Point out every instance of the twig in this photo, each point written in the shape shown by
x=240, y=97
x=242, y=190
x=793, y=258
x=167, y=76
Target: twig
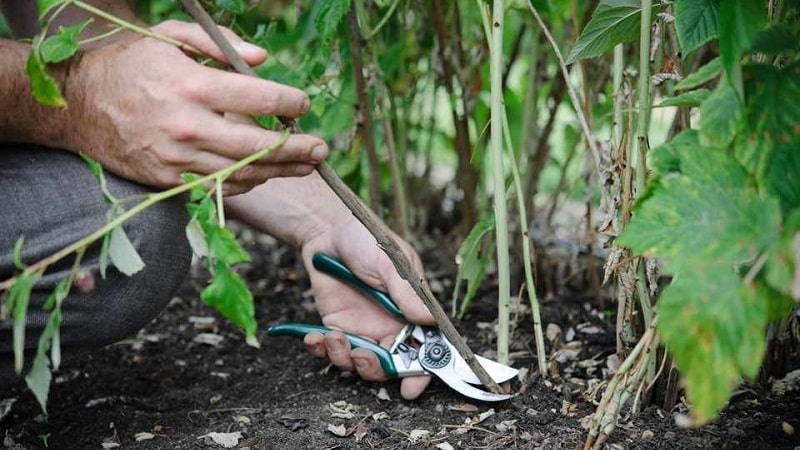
x=368, y=218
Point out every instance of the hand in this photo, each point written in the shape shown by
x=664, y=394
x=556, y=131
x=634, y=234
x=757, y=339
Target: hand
x=345, y=308
x=148, y=112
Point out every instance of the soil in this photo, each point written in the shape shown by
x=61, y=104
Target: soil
x=171, y=386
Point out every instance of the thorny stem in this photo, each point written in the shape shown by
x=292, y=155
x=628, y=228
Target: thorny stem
x=362, y=213
x=144, y=204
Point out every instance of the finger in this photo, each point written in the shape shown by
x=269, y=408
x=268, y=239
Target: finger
x=338, y=350
x=237, y=141
x=412, y=387
x=315, y=344
x=254, y=174
x=195, y=36
x=367, y=365
x=237, y=93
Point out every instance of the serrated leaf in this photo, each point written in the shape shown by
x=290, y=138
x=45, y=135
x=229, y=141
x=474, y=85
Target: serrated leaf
x=329, y=15
x=222, y=246
x=64, y=44
x=692, y=98
x=234, y=6
x=123, y=254
x=703, y=75
x=46, y=5
x=19, y=295
x=229, y=294
x=43, y=86
x=720, y=114
x=666, y=158
x=696, y=23
x=613, y=22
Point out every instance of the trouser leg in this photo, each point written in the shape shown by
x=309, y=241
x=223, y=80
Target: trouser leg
x=52, y=199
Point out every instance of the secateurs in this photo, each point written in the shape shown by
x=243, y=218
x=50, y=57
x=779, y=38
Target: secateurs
x=416, y=350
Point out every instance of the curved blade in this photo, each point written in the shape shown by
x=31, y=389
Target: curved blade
x=500, y=373
x=449, y=377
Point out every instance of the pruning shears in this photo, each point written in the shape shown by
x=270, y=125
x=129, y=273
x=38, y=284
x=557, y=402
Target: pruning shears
x=416, y=349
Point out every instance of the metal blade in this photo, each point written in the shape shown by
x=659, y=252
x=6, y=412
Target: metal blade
x=449, y=377
x=500, y=373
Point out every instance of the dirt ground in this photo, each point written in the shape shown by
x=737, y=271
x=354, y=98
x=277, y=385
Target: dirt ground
x=189, y=375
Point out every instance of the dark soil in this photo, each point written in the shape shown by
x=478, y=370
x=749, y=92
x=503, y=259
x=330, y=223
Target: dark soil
x=167, y=384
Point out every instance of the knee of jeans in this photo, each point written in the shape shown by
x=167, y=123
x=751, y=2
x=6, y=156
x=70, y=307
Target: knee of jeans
x=122, y=305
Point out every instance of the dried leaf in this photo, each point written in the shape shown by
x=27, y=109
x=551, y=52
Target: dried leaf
x=214, y=340
x=144, y=436
x=360, y=432
x=417, y=435
x=445, y=446
x=383, y=415
x=506, y=426
x=463, y=407
x=338, y=430
x=482, y=416
x=226, y=440
x=293, y=422
x=383, y=395
x=342, y=409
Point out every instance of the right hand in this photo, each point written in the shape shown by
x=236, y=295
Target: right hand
x=148, y=112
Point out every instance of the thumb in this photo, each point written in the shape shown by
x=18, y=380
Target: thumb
x=194, y=35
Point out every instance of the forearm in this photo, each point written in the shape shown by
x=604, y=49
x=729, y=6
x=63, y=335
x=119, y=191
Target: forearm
x=22, y=16
x=293, y=210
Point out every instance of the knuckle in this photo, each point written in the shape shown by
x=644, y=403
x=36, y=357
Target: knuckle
x=246, y=173
x=182, y=130
x=171, y=157
x=192, y=90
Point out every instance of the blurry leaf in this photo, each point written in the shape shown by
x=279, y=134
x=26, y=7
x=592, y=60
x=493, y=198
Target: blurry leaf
x=783, y=176
x=739, y=23
x=18, y=253
x=613, y=22
x=720, y=115
x=226, y=440
x=229, y=294
x=471, y=263
x=703, y=75
x=330, y=13
x=691, y=98
x=97, y=170
x=103, y=260
x=338, y=430
x=17, y=301
x=123, y=254
x=776, y=39
x=666, y=158
x=234, y=6
x=61, y=46
x=43, y=86
x=46, y=5
x=696, y=23
x=40, y=375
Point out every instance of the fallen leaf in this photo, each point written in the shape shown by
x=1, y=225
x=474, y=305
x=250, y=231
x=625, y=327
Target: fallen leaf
x=481, y=417
x=338, y=430
x=214, y=340
x=226, y=440
x=360, y=432
x=239, y=418
x=383, y=395
x=144, y=436
x=107, y=445
x=463, y=407
x=383, y=415
x=292, y=422
x=787, y=428
x=444, y=446
x=342, y=409
x=204, y=323
x=506, y=426
x=215, y=399
x=417, y=435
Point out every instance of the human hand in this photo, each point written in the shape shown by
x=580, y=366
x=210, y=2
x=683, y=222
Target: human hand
x=345, y=308
x=148, y=112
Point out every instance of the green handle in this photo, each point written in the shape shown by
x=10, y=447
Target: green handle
x=335, y=268
x=302, y=329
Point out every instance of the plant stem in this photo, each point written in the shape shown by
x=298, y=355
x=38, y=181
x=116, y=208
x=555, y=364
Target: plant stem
x=144, y=204
x=644, y=94
x=383, y=21
x=135, y=28
x=618, y=70
x=499, y=181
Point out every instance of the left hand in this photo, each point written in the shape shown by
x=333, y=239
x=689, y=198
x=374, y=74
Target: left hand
x=345, y=308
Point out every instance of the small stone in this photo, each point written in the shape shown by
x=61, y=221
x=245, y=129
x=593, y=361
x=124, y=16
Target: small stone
x=647, y=435
x=787, y=428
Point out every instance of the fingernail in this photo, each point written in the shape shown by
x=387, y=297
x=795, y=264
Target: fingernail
x=306, y=106
x=249, y=48
x=334, y=346
x=319, y=153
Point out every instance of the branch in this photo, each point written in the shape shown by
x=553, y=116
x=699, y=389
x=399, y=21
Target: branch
x=371, y=222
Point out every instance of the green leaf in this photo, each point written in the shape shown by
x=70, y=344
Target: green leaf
x=229, y=294
x=18, y=253
x=234, y=6
x=613, y=22
x=666, y=158
x=783, y=176
x=61, y=46
x=97, y=170
x=46, y=5
x=739, y=23
x=708, y=72
x=330, y=14
x=43, y=86
x=123, y=254
x=702, y=224
x=197, y=192
x=776, y=39
x=103, y=260
x=17, y=301
x=472, y=262
x=40, y=375
x=222, y=246
x=696, y=23
x=720, y=113
x=692, y=98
